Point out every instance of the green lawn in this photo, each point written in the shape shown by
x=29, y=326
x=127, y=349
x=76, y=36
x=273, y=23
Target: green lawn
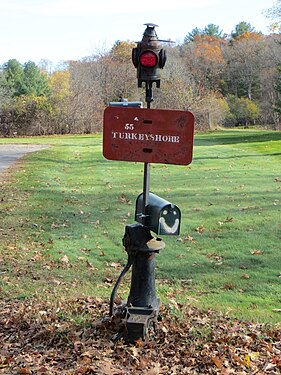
x=64, y=210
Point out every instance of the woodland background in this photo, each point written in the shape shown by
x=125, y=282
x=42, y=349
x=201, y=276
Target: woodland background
x=225, y=80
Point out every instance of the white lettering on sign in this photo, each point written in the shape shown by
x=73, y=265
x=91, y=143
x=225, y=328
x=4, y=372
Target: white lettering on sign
x=146, y=137
x=129, y=126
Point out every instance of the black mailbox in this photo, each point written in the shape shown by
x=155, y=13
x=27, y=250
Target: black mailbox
x=161, y=216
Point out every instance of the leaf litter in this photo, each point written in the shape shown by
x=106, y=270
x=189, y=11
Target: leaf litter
x=73, y=337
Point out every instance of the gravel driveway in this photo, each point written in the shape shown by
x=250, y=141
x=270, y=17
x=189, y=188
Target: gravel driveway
x=12, y=152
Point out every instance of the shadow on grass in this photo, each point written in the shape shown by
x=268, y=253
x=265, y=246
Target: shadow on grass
x=234, y=137
x=236, y=156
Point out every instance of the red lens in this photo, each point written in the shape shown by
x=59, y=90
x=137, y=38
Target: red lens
x=148, y=59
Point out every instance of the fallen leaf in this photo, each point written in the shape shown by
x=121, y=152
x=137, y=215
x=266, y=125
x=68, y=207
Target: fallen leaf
x=123, y=199
x=115, y=265
x=154, y=371
x=247, y=361
x=217, y=361
x=187, y=238
x=64, y=259
x=25, y=371
x=243, y=267
x=229, y=220
x=139, y=343
x=96, y=223
x=256, y=252
x=89, y=265
x=200, y=229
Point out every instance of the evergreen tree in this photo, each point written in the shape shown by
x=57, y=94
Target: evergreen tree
x=24, y=80
x=209, y=30
x=34, y=82
x=190, y=36
x=12, y=77
x=242, y=28
x=212, y=30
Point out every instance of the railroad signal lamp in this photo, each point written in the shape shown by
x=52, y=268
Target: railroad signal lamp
x=149, y=57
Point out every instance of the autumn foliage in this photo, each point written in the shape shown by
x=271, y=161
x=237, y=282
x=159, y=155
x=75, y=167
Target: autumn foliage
x=209, y=66
x=45, y=338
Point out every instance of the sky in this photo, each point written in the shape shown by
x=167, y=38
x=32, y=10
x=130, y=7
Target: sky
x=59, y=30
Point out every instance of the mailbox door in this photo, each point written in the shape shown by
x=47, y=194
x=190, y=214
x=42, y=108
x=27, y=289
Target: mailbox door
x=169, y=220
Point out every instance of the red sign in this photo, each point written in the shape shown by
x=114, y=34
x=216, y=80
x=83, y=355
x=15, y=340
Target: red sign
x=148, y=135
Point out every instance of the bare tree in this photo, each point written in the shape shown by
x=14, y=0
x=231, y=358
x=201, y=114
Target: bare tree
x=245, y=58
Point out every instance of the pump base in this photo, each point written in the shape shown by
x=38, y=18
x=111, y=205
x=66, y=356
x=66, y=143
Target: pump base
x=138, y=322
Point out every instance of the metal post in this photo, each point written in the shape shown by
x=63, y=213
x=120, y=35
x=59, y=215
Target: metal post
x=146, y=173
x=146, y=181
x=142, y=305
x=148, y=93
